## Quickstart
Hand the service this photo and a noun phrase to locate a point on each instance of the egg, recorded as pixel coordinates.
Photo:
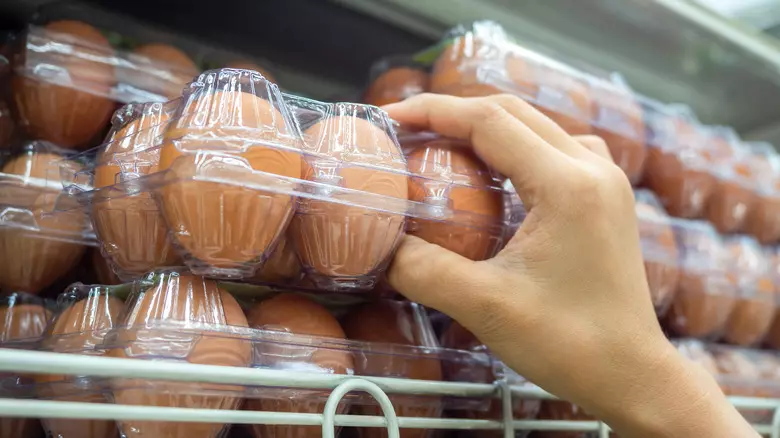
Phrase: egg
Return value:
(73, 114)
(78, 330)
(733, 198)
(391, 322)
(448, 177)
(396, 84)
(228, 229)
(683, 187)
(247, 65)
(347, 246)
(619, 120)
(740, 376)
(7, 126)
(103, 272)
(282, 266)
(160, 69)
(131, 229)
(659, 250)
(707, 292)
(755, 308)
(198, 303)
(562, 410)
(298, 315)
(19, 322)
(763, 219)
(457, 337)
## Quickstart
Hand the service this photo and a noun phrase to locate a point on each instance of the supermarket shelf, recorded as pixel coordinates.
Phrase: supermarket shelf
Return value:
(44, 362)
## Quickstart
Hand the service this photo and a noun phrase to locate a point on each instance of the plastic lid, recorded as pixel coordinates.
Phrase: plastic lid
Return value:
(701, 247)
(23, 319)
(655, 230)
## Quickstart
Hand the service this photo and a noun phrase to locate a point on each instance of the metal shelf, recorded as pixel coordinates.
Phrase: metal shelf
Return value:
(53, 363)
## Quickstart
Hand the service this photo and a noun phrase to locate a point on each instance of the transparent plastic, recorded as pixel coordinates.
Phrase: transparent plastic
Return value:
(7, 125)
(708, 290)
(772, 338)
(38, 242)
(733, 198)
(563, 410)
(757, 302)
(763, 220)
(659, 250)
(331, 179)
(394, 79)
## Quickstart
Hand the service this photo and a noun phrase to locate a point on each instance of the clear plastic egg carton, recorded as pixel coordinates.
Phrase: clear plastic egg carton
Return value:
(239, 168)
(177, 318)
(481, 60)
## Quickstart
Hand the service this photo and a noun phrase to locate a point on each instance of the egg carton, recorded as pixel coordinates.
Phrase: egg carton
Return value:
(395, 78)
(334, 180)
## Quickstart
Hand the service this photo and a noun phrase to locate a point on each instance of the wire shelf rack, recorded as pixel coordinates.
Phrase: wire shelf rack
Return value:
(34, 362)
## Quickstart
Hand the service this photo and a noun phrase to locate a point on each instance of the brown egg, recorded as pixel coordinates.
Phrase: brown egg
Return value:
(447, 175)
(392, 322)
(78, 330)
(733, 198)
(659, 250)
(160, 69)
(283, 265)
(562, 410)
(68, 115)
(7, 126)
(739, 376)
(763, 220)
(301, 316)
(684, 189)
(103, 273)
(247, 65)
(228, 229)
(188, 300)
(755, 308)
(565, 99)
(19, 322)
(131, 229)
(772, 338)
(457, 337)
(707, 292)
(348, 245)
(395, 85)
(618, 119)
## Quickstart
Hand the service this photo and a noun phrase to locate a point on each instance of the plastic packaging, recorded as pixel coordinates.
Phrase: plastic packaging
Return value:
(23, 319)
(86, 314)
(394, 79)
(563, 410)
(456, 336)
(330, 179)
(659, 250)
(678, 167)
(707, 291)
(772, 339)
(763, 220)
(38, 243)
(733, 197)
(757, 302)
(7, 125)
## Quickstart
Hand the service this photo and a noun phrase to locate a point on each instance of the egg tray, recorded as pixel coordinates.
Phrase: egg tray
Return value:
(237, 154)
(90, 321)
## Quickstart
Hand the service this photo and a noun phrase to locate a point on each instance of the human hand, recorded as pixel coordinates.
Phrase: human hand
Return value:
(565, 303)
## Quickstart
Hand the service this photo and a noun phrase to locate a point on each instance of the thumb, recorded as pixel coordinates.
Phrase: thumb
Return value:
(438, 278)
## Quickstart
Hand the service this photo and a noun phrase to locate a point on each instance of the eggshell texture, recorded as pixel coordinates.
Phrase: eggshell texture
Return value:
(173, 67)
(763, 220)
(395, 85)
(7, 126)
(220, 225)
(103, 273)
(20, 428)
(702, 306)
(739, 376)
(733, 199)
(77, 330)
(71, 115)
(301, 316)
(344, 241)
(620, 122)
(33, 261)
(457, 337)
(184, 299)
(450, 175)
(755, 308)
(394, 323)
(659, 250)
(562, 410)
(683, 190)
(131, 229)
(283, 265)
(246, 65)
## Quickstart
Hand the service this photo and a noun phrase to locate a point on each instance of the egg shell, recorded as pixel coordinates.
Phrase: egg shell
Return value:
(660, 253)
(772, 338)
(763, 220)
(702, 305)
(131, 229)
(185, 299)
(395, 85)
(11, 427)
(729, 206)
(619, 121)
(73, 115)
(391, 322)
(78, 330)
(343, 244)
(282, 266)
(450, 175)
(739, 376)
(160, 69)
(683, 190)
(247, 65)
(301, 316)
(226, 228)
(103, 273)
(35, 260)
(562, 410)
(457, 337)
(7, 126)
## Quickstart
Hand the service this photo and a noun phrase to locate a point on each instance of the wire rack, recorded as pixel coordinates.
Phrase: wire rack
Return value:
(33, 362)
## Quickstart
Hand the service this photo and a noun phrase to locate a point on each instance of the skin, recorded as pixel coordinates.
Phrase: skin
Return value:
(566, 303)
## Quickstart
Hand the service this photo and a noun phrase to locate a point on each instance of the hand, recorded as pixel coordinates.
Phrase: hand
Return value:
(566, 303)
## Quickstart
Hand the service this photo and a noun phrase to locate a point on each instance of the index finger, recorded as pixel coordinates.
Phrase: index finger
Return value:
(498, 137)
